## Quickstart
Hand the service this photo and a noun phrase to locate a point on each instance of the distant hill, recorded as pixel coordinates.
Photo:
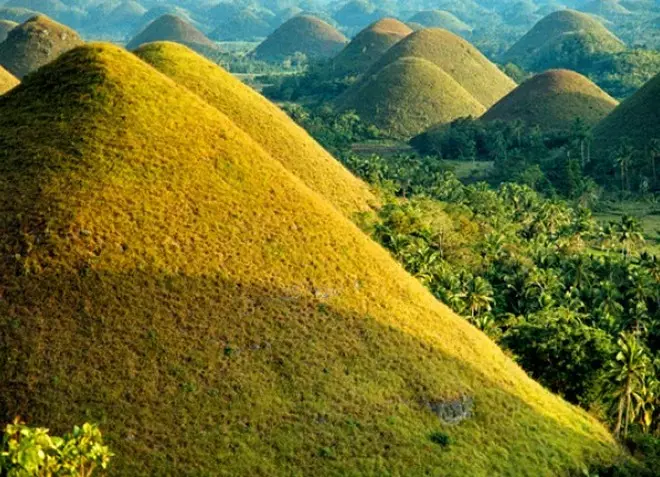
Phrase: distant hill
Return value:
(368, 46)
(7, 81)
(172, 28)
(5, 27)
(35, 43)
(441, 19)
(553, 100)
(457, 57)
(128, 15)
(164, 276)
(408, 96)
(269, 126)
(241, 26)
(17, 15)
(302, 34)
(563, 39)
(605, 8)
(637, 120)
(357, 14)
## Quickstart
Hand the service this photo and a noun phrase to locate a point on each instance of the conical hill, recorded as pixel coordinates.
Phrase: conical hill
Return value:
(368, 46)
(35, 43)
(636, 121)
(264, 122)
(302, 34)
(163, 276)
(553, 100)
(562, 39)
(408, 96)
(458, 58)
(172, 28)
(441, 19)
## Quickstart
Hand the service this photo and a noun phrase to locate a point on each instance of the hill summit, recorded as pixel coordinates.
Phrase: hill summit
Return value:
(35, 43)
(637, 119)
(563, 39)
(302, 34)
(5, 27)
(441, 19)
(271, 127)
(553, 100)
(408, 96)
(164, 276)
(368, 46)
(170, 27)
(458, 58)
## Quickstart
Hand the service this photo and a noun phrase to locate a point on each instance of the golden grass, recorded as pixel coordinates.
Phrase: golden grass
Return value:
(172, 28)
(636, 119)
(408, 96)
(458, 58)
(558, 27)
(304, 34)
(368, 46)
(35, 43)
(553, 100)
(268, 125)
(7, 81)
(165, 277)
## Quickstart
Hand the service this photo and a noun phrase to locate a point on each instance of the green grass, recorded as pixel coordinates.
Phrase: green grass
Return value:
(167, 278)
(647, 214)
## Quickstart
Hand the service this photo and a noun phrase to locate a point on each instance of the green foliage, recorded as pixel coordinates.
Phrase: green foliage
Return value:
(440, 438)
(33, 452)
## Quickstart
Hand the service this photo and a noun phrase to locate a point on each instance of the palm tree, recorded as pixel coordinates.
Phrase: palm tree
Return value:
(654, 153)
(479, 296)
(622, 158)
(630, 234)
(626, 379)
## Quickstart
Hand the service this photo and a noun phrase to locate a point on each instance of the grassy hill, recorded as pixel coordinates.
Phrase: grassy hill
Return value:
(368, 46)
(243, 25)
(605, 8)
(5, 27)
(563, 39)
(163, 276)
(18, 15)
(266, 123)
(34, 43)
(7, 81)
(553, 100)
(172, 28)
(441, 19)
(302, 34)
(461, 60)
(636, 119)
(408, 96)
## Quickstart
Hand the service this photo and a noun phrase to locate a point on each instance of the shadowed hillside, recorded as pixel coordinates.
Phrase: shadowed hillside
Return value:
(368, 46)
(553, 100)
(458, 58)
(302, 34)
(172, 28)
(35, 43)
(265, 122)
(164, 276)
(408, 96)
(5, 27)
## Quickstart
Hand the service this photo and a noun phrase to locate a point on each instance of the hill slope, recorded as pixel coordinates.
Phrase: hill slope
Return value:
(302, 34)
(441, 19)
(266, 123)
(368, 46)
(34, 43)
(408, 96)
(165, 277)
(553, 100)
(5, 27)
(172, 28)
(636, 119)
(469, 68)
(7, 81)
(565, 38)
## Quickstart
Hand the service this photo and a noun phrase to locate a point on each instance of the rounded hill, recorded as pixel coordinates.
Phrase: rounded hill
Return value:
(605, 8)
(553, 100)
(408, 96)
(243, 25)
(268, 125)
(458, 58)
(172, 28)
(18, 15)
(164, 276)
(5, 27)
(441, 19)
(302, 34)
(368, 46)
(35, 43)
(561, 39)
(635, 120)
(7, 81)
(357, 14)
